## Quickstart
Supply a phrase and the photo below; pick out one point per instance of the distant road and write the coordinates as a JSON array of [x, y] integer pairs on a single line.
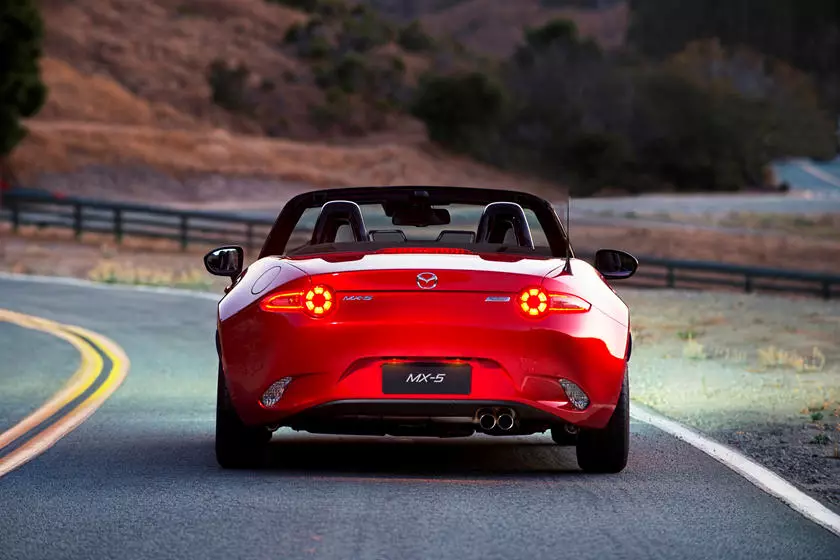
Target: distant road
[[809, 176]]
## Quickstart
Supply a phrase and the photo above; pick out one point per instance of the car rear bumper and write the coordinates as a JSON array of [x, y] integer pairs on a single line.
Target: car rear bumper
[[322, 401]]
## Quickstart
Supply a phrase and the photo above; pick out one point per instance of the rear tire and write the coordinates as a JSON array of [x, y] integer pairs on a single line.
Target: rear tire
[[606, 450], [237, 446]]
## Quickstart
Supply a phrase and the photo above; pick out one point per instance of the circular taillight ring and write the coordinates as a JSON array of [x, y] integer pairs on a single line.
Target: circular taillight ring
[[533, 302], [318, 301]]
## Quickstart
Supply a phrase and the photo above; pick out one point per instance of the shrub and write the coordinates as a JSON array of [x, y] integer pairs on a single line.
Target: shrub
[[228, 85], [309, 6], [293, 34], [316, 47], [351, 72], [364, 32], [334, 112], [413, 38], [452, 107]]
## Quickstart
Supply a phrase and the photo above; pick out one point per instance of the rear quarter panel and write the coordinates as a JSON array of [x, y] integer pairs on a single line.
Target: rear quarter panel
[[586, 282]]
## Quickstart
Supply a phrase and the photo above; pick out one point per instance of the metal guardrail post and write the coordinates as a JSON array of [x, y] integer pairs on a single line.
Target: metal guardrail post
[[184, 230], [77, 220], [118, 225], [670, 279], [15, 215], [748, 283], [826, 290]]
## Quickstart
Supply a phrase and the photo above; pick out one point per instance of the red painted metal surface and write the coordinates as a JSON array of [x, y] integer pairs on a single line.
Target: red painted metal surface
[[339, 356]]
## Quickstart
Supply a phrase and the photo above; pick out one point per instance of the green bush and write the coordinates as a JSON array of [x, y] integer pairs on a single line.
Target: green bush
[[326, 8], [293, 34], [364, 32], [316, 47], [453, 107], [335, 111], [22, 93], [228, 85], [351, 72], [414, 38]]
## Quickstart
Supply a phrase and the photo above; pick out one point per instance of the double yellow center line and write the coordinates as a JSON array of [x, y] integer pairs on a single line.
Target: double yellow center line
[[104, 366]]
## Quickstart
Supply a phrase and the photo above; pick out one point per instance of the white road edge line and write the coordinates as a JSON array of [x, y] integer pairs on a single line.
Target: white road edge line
[[760, 476]]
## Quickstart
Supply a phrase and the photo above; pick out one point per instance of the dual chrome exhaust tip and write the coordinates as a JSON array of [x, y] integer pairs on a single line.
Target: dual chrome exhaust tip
[[503, 418]]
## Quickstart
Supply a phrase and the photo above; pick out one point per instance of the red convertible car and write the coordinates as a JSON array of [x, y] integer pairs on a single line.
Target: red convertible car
[[422, 311]]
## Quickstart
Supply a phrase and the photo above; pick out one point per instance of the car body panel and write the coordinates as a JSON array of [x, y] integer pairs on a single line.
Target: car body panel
[[514, 358]]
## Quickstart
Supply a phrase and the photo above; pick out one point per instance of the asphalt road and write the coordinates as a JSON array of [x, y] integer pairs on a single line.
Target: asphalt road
[[139, 479]]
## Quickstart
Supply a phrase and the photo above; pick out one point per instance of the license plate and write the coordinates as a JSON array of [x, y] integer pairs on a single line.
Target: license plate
[[426, 379]]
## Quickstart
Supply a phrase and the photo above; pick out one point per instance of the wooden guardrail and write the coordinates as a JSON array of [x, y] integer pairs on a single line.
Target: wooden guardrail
[[212, 228]]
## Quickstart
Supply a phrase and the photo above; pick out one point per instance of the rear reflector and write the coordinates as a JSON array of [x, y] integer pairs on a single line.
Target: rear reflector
[[275, 392], [577, 397]]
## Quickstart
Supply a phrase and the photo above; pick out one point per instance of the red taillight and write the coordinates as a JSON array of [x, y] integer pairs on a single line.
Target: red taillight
[[318, 301], [533, 302], [281, 302], [536, 303]]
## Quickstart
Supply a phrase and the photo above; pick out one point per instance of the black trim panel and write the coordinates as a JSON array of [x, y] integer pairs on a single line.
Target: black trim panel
[[413, 408]]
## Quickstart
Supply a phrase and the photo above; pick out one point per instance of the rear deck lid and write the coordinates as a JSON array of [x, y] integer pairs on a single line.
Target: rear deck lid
[[419, 271]]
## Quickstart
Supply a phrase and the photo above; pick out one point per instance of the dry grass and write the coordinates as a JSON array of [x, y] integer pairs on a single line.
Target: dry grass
[[495, 27], [792, 252], [96, 257], [110, 271], [63, 146], [824, 226], [96, 98], [159, 50], [127, 88]]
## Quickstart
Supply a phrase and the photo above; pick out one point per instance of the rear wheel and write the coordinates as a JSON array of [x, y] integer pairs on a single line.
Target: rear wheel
[[606, 450], [237, 446]]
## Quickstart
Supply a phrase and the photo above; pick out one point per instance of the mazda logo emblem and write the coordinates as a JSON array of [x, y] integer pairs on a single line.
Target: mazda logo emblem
[[426, 280]]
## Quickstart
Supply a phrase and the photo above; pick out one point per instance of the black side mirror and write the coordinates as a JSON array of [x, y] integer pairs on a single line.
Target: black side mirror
[[615, 265], [225, 261]]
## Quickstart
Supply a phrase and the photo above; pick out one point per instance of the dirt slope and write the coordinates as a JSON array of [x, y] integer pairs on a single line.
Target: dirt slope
[[127, 88], [61, 146], [97, 98], [159, 50]]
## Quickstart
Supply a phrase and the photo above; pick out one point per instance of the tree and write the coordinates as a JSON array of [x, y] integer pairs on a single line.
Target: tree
[[805, 33], [457, 108], [22, 93]]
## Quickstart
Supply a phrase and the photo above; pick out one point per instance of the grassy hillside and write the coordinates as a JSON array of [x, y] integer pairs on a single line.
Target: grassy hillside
[[232, 64], [494, 27], [128, 86]]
